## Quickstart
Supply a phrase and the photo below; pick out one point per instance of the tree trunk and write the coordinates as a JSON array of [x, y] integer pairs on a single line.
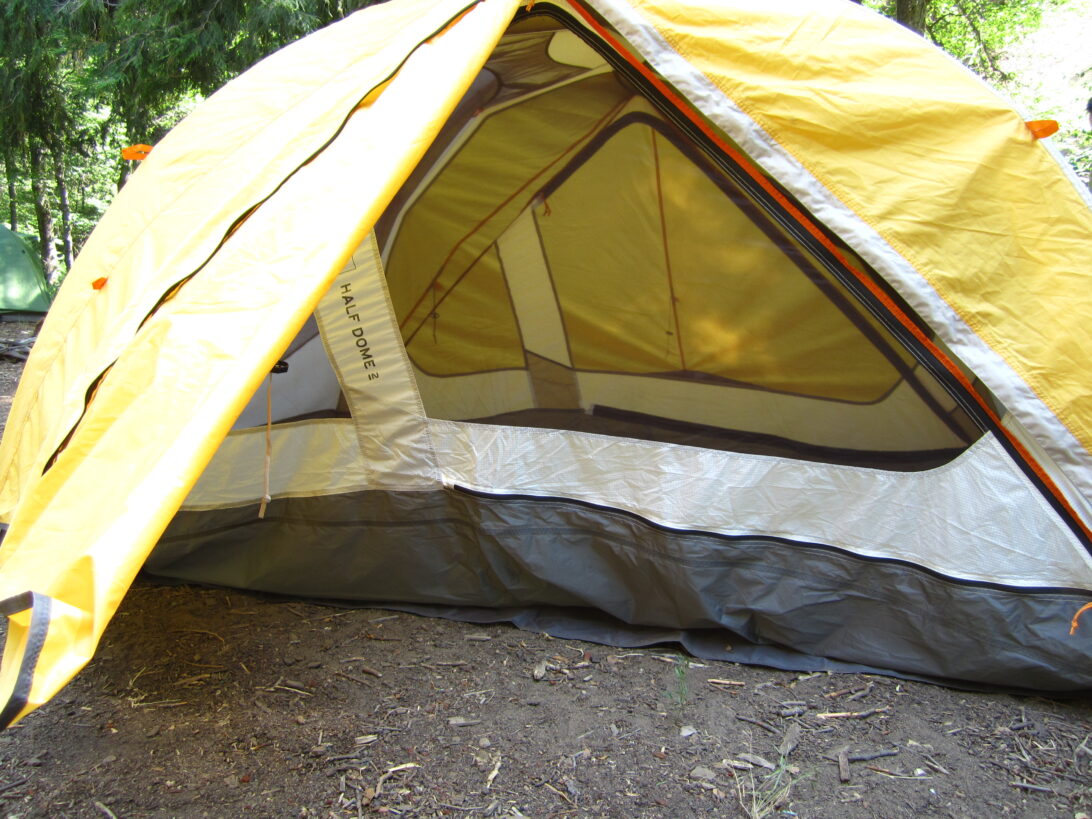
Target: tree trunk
[[66, 211], [42, 211], [10, 170], [911, 13]]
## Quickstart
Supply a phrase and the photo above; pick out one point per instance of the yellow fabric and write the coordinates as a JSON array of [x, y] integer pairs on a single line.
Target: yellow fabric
[[82, 531], [704, 289], [180, 204], [480, 193], [826, 80], [472, 328]]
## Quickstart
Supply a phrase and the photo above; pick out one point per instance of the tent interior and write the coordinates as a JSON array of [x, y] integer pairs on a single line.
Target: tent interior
[[568, 255]]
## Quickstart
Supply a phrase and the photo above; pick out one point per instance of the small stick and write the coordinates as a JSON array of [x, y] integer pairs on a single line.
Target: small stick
[[294, 690], [892, 774], [106, 810], [352, 677], [456, 807], [726, 682], [367, 669], [864, 692], [936, 766], [1027, 786], [559, 793], [851, 690], [874, 755], [11, 785], [853, 714], [198, 631], [759, 723]]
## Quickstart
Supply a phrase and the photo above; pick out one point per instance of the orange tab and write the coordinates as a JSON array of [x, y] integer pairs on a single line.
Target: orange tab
[[1077, 616], [1041, 128], [136, 151], [99, 283]]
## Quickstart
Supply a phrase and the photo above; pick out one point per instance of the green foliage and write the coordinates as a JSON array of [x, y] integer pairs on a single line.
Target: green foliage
[[976, 32], [83, 78]]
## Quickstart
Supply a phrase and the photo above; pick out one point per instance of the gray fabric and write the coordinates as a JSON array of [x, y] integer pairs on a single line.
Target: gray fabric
[[452, 548], [40, 606]]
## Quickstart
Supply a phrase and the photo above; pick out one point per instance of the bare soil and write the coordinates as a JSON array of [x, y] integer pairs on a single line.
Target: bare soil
[[219, 703]]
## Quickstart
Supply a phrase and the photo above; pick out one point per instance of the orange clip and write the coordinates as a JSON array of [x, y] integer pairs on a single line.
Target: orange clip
[[136, 152], [99, 283], [1041, 128], [1077, 616]]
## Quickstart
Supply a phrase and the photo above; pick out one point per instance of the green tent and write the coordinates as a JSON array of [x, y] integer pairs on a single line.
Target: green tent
[[23, 286]]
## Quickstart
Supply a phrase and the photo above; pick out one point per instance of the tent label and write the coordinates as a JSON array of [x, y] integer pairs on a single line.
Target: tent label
[[363, 348]]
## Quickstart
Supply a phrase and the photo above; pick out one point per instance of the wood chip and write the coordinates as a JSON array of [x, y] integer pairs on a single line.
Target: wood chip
[[790, 740], [755, 759], [463, 722], [843, 764]]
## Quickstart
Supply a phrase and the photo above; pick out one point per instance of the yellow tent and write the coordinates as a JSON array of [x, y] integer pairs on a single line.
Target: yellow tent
[[764, 317]]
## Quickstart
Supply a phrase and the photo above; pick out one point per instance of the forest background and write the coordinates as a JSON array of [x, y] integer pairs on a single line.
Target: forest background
[[81, 79]]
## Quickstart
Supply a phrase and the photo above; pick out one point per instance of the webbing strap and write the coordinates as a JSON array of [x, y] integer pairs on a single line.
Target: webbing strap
[[39, 605]]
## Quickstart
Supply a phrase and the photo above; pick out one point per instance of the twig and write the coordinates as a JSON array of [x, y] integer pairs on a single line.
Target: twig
[[855, 690], [936, 766], [864, 692], [294, 690], [198, 631], [106, 810], [1027, 786], [456, 807], [764, 726], [874, 755], [559, 793], [725, 682], [894, 775], [12, 785], [364, 668], [853, 714], [391, 772], [352, 677]]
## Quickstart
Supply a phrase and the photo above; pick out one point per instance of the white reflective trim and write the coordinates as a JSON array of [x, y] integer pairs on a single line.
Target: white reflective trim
[[1054, 437], [976, 518], [357, 324]]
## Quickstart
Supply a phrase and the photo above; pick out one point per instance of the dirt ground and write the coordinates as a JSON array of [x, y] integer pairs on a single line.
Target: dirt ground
[[219, 703]]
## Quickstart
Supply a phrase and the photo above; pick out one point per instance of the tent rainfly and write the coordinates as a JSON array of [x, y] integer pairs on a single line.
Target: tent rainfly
[[23, 287], [757, 322]]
